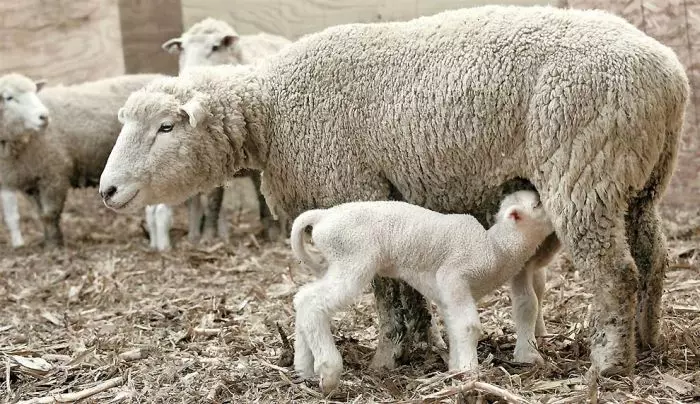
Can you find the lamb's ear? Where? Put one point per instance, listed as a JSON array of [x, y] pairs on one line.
[[513, 213], [194, 111], [229, 40], [120, 115], [173, 45], [40, 84]]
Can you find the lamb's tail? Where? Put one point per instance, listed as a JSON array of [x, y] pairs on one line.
[[308, 218]]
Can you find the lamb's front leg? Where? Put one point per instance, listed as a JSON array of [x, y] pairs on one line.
[[525, 315]]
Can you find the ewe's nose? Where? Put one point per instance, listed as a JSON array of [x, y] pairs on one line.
[[109, 192]]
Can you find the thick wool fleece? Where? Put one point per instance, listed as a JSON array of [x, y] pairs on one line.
[[442, 111], [73, 149]]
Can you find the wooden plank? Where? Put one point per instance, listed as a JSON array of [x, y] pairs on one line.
[[294, 18], [64, 41], [145, 25]]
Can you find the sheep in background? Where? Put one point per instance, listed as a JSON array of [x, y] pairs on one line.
[[450, 259], [70, 152], [207, 43], [441, 112]]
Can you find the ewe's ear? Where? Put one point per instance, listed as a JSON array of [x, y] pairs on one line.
[[120, 115], [229, 40], [173, 45], [194, 111], [40, 84]]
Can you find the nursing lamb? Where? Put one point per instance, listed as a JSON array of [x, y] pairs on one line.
[[441, 112], [450, 259]]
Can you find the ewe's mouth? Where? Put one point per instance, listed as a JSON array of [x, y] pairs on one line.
[[125, 204]]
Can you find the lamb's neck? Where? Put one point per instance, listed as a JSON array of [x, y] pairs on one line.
[[514, 248], [245, 124]]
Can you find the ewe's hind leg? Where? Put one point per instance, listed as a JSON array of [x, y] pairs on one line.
[[525, 307], [648, 245], [10, 212], [596, 241], [315, 304], [211, 216], [195, 213]]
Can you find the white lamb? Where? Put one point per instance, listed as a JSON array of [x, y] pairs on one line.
[[449, 258]]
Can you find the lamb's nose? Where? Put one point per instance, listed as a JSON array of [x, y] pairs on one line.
[[44, 118], [109, 192]]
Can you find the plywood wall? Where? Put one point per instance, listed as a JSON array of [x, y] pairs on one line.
[[145, 25], [294, 18], [64, 41]]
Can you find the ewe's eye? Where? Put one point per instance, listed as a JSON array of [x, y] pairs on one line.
[[165, 128]]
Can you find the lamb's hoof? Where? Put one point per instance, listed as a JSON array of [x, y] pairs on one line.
[[304, 368], [329, 379], [541, 330], [528, 355]]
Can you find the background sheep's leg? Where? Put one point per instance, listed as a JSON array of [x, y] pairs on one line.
[[151, 225], [195, 213], [525, 315], [215, 199], [163, 222], [648, 245], [600, 250], [315, 304], [403, 318], [50, 202], [10, 212]]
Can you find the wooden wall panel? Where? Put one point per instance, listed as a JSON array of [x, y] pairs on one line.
[[64, 41], [145, 25], [294, 18]]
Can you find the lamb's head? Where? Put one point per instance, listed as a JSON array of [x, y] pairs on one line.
[[21, 110], [207, 43], [170, 147], [524, 210]]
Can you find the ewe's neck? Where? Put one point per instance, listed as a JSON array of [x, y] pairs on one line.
[[240, 98]]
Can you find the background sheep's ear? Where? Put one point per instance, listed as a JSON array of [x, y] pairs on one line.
[[229, 40], [40, 84], [173, 45], [120, 115], [194, 111]]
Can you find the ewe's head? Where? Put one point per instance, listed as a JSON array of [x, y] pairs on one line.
[[209, 42], [169, 147], [21, 111], [524, 210]]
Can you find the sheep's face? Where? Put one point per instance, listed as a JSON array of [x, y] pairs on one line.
[[204, 50], [161, 155], [21, 110], [524, 209]]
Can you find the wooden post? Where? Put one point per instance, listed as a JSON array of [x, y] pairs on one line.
[[145, 25]]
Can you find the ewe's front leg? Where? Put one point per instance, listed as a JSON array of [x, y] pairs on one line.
[[10, 212], [272, 229]]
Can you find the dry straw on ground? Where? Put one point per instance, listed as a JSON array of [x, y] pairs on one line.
[[107, 320]]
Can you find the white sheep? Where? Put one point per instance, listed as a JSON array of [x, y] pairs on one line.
[[441, 112], [45, 161], [207, 43], [450, 259]]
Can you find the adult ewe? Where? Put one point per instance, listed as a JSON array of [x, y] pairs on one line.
[[72, 150], [442, 111], [214, 42], [21, 111]]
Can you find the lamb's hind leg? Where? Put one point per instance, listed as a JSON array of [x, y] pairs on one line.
[[315, 304], [648, 245]]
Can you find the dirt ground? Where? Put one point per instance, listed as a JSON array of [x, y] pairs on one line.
[[208, 323]]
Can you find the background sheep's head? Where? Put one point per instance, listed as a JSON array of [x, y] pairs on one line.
[[210, 42], [21, 110], [169, 148]]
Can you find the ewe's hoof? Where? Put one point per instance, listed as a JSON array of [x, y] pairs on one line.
[[383, 360]]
